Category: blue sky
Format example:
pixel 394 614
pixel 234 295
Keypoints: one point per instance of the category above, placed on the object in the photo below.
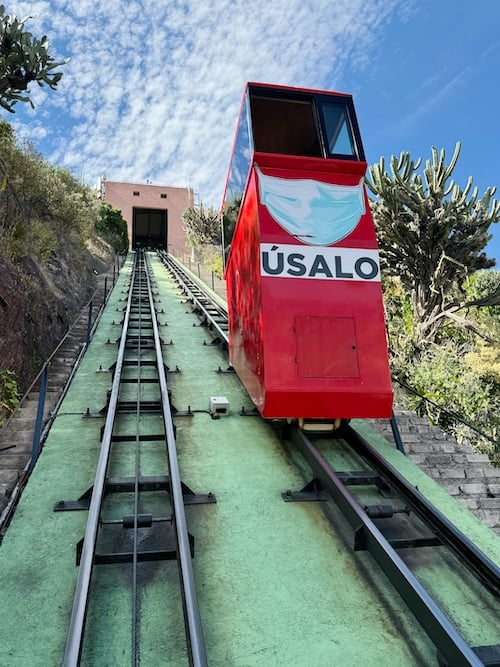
pixel 152 90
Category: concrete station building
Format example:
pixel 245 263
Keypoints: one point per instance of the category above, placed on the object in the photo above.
pixel 153 213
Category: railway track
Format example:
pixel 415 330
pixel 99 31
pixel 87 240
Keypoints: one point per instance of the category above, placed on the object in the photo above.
pixel 389 517
pixel 211 312
pixel 361 569
pixel 139 388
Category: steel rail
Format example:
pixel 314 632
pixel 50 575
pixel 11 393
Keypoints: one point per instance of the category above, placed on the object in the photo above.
pixel 74 639
pixel 192 618
pixel 135 601
pixel 466 551
pixel 437 626
pixel 188 283
pixel 194 289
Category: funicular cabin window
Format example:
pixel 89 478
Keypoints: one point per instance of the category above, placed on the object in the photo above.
pixel 340 129
pixel 338 134
pixel 285 126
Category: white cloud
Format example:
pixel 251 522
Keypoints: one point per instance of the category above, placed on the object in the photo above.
pixel 152 90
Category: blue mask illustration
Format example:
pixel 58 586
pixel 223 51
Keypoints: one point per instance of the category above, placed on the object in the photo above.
pixel 314 212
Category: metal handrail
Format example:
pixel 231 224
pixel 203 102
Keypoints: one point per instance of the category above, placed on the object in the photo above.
pixel 54 352
pixel 24 474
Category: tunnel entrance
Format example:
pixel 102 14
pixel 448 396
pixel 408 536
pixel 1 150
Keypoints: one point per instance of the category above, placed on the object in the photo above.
pixel 149 228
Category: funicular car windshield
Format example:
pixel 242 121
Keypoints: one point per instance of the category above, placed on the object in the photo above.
pixel 304 124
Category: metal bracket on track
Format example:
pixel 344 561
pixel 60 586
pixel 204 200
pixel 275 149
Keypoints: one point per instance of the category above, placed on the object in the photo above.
pixel 313 491
pixel 127 485
pixel 489 656
pixel 167 552
pixel 230 370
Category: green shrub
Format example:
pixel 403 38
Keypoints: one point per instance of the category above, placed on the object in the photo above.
pixel 458 392
pixel 217 268
pixel 112 227
pixel 9 395
pixel 39 204
pixel 460 372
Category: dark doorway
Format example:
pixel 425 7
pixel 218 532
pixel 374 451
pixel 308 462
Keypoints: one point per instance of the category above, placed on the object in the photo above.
pixel 149 228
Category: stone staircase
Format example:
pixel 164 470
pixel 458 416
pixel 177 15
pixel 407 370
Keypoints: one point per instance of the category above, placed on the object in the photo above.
pixel 16 438
pixel 466 474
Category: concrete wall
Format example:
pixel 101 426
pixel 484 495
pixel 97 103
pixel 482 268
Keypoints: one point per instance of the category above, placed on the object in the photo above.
pixel 121 196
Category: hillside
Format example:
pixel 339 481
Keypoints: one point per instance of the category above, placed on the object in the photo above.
pixel 49 255
pixel 38 302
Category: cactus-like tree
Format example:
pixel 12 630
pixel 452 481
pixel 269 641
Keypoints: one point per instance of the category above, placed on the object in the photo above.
pixel 202 226
pixel 23 59
pixel 432 234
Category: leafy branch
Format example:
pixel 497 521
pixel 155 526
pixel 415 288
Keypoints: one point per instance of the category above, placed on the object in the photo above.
pixel 23 59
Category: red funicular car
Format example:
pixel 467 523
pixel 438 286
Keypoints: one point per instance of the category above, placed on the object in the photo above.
pixel 307 330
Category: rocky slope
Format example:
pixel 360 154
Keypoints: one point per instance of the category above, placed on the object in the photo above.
pixel 39 301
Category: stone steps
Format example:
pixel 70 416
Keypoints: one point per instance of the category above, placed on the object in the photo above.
pixel 19 430
pixel 466 474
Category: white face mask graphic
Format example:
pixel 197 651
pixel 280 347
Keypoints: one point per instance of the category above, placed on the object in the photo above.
pixel 314 212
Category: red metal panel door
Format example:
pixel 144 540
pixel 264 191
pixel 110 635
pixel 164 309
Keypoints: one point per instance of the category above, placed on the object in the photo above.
pixel 326 347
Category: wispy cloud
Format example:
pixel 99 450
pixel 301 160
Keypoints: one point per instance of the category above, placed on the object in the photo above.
pixel 437 89
pixel 152 90
pixel 443 83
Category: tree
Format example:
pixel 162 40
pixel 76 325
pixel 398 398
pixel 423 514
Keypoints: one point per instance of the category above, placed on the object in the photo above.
pixel 112 227
pixel 229 220
pixel 202 226
pixel 432 234
pixel 23 59
pixel 40 205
